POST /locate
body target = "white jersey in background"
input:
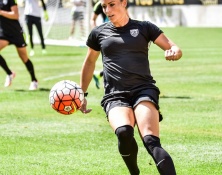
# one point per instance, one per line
(78, 5)
(32, 8)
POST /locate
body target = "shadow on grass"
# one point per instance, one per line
(48, 90)
(179, 97)
(40, 89)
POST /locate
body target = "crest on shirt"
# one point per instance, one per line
(134, 32)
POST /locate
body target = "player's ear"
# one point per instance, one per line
(124, 3)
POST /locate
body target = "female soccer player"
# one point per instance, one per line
(33, 17)
(11, 33)
(131, 96)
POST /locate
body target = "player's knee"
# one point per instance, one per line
(125, 132)
(151, 142)
(125, 137)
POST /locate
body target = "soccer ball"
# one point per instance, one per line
(66, 97)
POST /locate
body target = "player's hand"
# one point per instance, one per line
(173, 54)
(46, 16)
(83, 108)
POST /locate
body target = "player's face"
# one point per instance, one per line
(115, 10)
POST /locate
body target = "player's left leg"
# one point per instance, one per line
(73, 25)
(10, 75)
(39, 29)
(30, 67)
(147, 118)
(162, 159)
(29, 24)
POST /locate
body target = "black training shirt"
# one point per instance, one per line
(124, 53)
(8, 26)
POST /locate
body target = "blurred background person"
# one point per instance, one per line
(11, 32)
(97, 10)
(33, 17)
(77, 12)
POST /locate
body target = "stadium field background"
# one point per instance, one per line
(37, 140)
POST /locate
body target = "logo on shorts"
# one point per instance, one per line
(134, 32)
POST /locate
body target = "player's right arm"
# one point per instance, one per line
(87, 71)
(13, 14)
(88, 68)
(93, 20)
(97, 9)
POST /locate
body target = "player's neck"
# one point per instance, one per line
(122, 22)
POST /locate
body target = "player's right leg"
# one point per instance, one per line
(96, 78)
(8, 79)
(122, 121)
(3, 64)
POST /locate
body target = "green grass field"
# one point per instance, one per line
(36, 140)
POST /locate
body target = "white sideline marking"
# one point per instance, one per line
(60, 76)
(67, 42)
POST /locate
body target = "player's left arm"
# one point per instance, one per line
(172, 51)
(46, 15)
(13, 14)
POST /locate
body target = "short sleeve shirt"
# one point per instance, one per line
(124, 54)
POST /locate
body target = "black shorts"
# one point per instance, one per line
(30, 20)
(130, 98)
(77, 16)
(17, 38)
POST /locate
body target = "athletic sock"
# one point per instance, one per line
(30, 68)
(5, 66)
(131, 160)
(162, 159)
(128, 148)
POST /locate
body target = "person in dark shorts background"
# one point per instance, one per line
(131, 96)
(78, 10)
(33, 17)
(11, 33)
(97, 10)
